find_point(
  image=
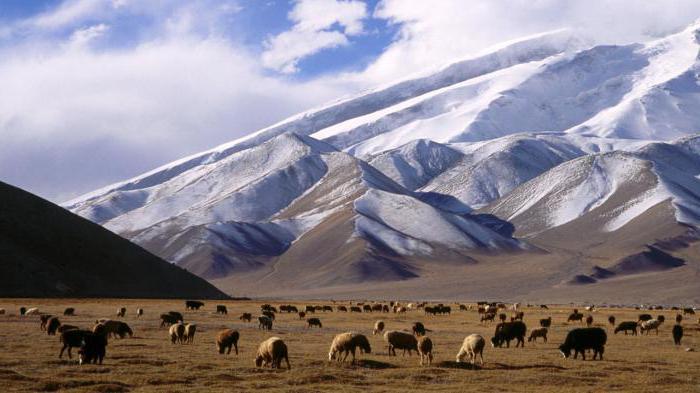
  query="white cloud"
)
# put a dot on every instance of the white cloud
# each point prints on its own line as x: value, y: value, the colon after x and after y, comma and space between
x: 432, y: 33
x: 82, y: 37
x: 314, y: 30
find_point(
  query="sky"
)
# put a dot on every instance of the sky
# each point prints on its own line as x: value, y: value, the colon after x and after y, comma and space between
x: 97, y: 91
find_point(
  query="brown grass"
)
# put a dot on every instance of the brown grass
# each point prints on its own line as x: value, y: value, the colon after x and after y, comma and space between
x: 149, y: 363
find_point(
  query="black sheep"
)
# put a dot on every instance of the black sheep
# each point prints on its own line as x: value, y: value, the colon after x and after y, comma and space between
x: 625, y: 326
x: 418, y: 329
x: 193, y: 304
x: 677, y: 334
x: 582, y: 339
x: 507, y: 331
x: 93, y: 349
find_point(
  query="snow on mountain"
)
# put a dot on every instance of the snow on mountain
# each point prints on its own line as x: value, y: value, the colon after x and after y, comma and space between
x: 542, y: 137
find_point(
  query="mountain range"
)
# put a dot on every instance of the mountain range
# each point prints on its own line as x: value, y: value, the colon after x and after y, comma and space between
x: 543, y: 169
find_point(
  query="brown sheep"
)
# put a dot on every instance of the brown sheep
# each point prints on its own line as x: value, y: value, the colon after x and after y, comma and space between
x: 535, y: 333
x: 488, y: 317
x: 43, y: 320
x: 378, y: 327
x: 271, y: 352
x: 575, y: 316
x: 246, y: 316
x: 425, y: 350
x: 348, y: 343
x: 418, y: 329
x: 226, y: 339
x: 313, y: 322
x: 177, y: 333
x: 302, y: 314
x: 52, y: 325
x: 115, y: 328
x: 401, y: 340
x: 190, y: 330
x: 589, y: 320
x: 611, y: 320
x: 70, y: 311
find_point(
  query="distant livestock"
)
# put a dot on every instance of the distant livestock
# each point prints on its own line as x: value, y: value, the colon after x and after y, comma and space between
x: 52, y: 326
x: 168, y: 319
x: 139, y: 312
x: 311, y: 322
x: 546, y: 322
x: 269, y: 314
x: 226, y: 339
x: 418, y: 329
x: 575, y: 316
x: 589, y: 320
x: 627, y: 326
x: 43, y: 320
x: 582, y: 339
x: 31, y: 311
x: 652, y: 324
x: 121, y: 312
x: 193, y: 304
x: 611, y: 320
x: 644, y: 317
x: 425, y: 350
x: 505, y: 332
x: 302, y: 314
x: 177, y: 333
x: 347, y: 343
x: 536, y: 333
x: 378, y: 327
x: 264, y: 322
x: 221, y: 309
x: 246, y: 316
x: 355, y: 309
x: 271, y: 352
x: 342, y: 309
x: 400, y: 340
x: 113, y: 328
x: 177, y: 315
x: 688, y: 310
x: 677, y: 333
x: 70, y: 311
x: 472, y: 346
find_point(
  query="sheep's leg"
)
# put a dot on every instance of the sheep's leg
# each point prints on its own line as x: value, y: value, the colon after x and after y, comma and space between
x: 60, y: 355
x: 69, y: 354
x: 481, y: 356
x: 353, y: 356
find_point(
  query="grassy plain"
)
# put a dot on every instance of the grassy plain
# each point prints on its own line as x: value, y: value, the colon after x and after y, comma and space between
x: 148, y: 362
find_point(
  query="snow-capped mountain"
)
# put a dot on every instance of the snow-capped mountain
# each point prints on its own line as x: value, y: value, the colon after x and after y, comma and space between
x: 510, y: 155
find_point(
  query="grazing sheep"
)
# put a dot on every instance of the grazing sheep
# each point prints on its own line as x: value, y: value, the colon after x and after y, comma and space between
x: 221, y: 309
x: 679, y: 318
x: 246, y: 316
x: 342, y: 309
x: 43, y: 320
x: 472, y: 345
x: 367, y: 308
x: 226, y: 339
x: 418, y: 329
x: 93, y: 349
x: 611, y: 320
x: 52, y: 325
x: 661, y: 318
x: 72, y: 339
x: 327, y: 308
x: 627, y: 326
x: 546, y: 322
x: 177, y: 333
x: 121, y: 312
x: 190, y: 330
x: 65, y: 327
x: 271, y: 352
x: 348, y: 343
x: 590, y: 308
x: 269, y: 314
x: 646, y: 326
x: 193, y: 304
x: 677, y: 334
x: 168, y: 319
x: 264, y: 322
x: 355, y: 309
x: 70, y: 311
x: 310, y: 309
x: 575, y: 316
x: 507, y: 331
x: 400, y: 340
x: 313, y: 322
x: 544, y: 306
x: 518, y: 316
x: 31, y: 311
x: 488, y: 317
x: 688, y: 310
x: 502, y: 317
x: 644, y: 317
x: 302, y: 314
x: 116, y: 328
x: 535, y: 333
x: 589, y: 320
x: 139, y: 312
x: 177, y: 315
x: 582, y: 339
x: 378, y: 327
x: 425, y: 350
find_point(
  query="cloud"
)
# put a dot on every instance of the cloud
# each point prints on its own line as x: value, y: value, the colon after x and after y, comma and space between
x: 318, y: 25
x: 433, y: 33
x: 75, y: 115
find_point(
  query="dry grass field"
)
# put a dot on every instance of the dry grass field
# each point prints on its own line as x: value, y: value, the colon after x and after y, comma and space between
x: 148, y: 362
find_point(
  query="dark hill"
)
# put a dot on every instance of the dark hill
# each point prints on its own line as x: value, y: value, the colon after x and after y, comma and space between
x: 47, y: 251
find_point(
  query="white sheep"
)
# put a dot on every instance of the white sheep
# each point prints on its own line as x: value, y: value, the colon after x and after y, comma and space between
x: 347, y: 343
x: 190, y: 330
x: 378, y: 327
x: 646, y: 326
x: 473, y: 345
x: 177, y: 333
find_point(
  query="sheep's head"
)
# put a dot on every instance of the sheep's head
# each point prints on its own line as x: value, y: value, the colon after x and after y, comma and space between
x: 258, y: 361
x: 565, y: 351
x: 495, y: 341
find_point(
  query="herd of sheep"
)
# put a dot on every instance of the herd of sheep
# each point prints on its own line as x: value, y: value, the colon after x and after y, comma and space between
x: 92, y: 343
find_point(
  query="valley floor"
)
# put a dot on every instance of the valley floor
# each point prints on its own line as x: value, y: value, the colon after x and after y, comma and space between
x: 148, y: 362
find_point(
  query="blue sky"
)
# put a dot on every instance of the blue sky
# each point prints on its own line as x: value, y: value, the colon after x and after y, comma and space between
x: 97, y: 91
